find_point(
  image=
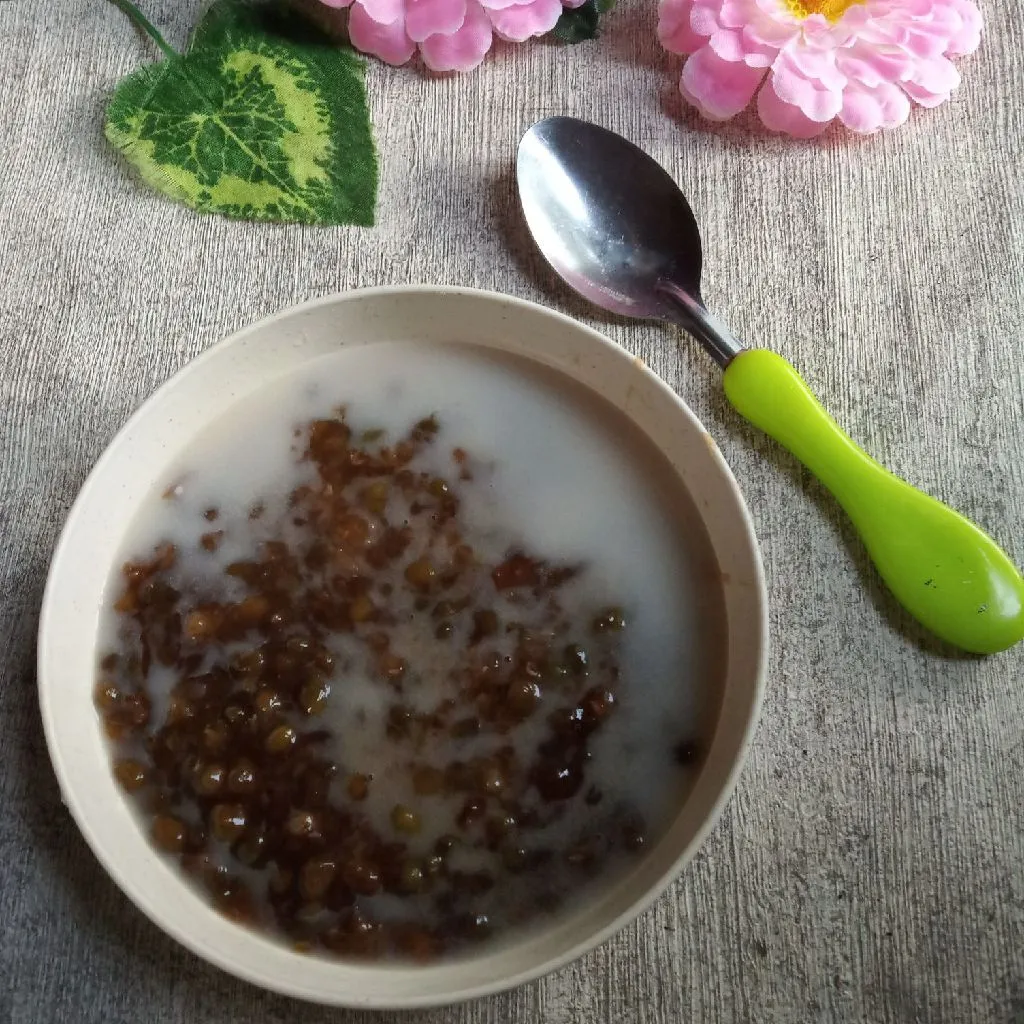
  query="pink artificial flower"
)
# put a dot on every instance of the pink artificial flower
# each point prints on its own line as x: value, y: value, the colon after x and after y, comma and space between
x: 451, y: 35
x: 810, y: 62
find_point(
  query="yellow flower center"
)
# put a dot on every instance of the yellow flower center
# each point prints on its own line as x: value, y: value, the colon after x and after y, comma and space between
x: 832, y: 9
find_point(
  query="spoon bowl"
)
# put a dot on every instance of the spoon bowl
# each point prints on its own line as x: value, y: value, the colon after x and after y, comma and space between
x: 613, y: 250
x: 617, y: 230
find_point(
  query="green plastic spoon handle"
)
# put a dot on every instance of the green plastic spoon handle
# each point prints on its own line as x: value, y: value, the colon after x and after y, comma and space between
x: 942, y: 568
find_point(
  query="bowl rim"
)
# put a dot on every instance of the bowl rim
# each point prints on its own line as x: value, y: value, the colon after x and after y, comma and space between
x: 756, y: 631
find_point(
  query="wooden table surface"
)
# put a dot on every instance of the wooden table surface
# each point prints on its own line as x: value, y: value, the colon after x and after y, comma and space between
x: 871, y: 864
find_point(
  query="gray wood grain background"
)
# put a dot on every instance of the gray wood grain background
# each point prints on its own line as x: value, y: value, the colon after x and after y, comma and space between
x: 870, y: 866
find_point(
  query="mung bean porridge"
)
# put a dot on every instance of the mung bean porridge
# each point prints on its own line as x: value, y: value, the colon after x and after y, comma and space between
x: 412, y: 650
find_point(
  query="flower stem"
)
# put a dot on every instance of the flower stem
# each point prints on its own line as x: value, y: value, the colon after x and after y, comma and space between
x: 142, y: 22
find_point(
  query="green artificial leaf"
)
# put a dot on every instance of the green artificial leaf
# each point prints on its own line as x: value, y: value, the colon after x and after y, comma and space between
x: 578, y: 24
x: 262, y: 118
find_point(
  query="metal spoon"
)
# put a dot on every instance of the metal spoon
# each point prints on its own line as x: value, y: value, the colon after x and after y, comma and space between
x: 617, y: 228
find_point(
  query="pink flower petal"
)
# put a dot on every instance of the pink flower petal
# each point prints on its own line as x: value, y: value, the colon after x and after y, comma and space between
x: 735, y: 14
x: 728, y: 45
x: 924, y: 43
x: 771, y: 36
x: 719, y: 89
x: 867, y: 109
x: 674, y: 30
x: 870, y: 67
x: 937, y: 76
x: 463, y: 49
x: 704, y: 20
x: 968, y: 37
x: 820, y: 101
x: 498, y: 5
x: 922, y: 97
x: 387, y: 41
x: 427, y: 17
x: 779, y: 116
x: 812, y: 65
x: 524, y: 20
x: 384, y: 11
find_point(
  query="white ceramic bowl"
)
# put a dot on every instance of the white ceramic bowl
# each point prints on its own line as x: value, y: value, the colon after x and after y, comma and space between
x: 185, y: 405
